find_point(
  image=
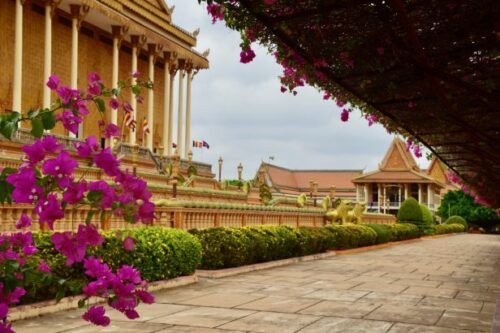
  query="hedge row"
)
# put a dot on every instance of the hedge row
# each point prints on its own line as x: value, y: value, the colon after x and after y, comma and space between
x: 448, y: 228
x: 159, y: 254
x: 230, y: 247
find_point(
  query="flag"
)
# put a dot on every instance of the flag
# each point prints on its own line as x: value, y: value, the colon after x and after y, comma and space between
x: 206, y: 145
x: 145, y: 126
x: 197, y: 144
x: 129, y: 121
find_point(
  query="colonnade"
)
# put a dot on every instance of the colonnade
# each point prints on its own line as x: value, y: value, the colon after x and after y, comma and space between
x: 172, y: 65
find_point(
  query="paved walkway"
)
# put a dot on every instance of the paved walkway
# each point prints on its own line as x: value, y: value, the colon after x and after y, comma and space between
x: 439, y: 285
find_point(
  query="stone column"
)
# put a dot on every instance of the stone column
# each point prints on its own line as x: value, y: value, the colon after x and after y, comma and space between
x: 419, y: 193
x: 357, y: 193
x: 152, y: 57
x: 116, y: 67
x: 137, y: 43
x: 406, y: 191
x: 385, y: 200
x: 75, y: 26
x: 366, y: 194
x: 399, y: 196
x: 47, y: 64
x: 379, y: 197
x: 187, y: 141
x: 429, y: 195
x: 166, y: 105
x: 18, y: 59
x: 181, y: 108
x: 173, y: 72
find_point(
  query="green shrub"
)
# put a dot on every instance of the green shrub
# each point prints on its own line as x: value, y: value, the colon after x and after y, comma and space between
x: 159, y: 253
x: 427, y: 217
x: 349, y: 236
x: 448, y: 228
x: 457, y: 220
x: 384, y: 232
x: 410, y: 212
x: 315, y: 240
x: 404, y: 231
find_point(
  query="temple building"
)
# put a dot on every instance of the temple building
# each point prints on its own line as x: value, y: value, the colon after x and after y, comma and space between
x: 114, y: 38
x: 383, y: 190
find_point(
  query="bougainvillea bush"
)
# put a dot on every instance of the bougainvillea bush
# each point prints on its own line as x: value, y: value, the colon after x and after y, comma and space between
x: 46, y: 180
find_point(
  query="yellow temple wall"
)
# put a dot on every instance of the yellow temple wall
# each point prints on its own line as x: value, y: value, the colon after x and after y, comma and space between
x: 93, y: 55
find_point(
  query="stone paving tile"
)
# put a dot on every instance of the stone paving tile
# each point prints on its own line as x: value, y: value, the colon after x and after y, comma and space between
x: 221, y: 300
x: 52, y: 323
x: 338, y: 295
x: 446, y: 278
x: 391, y: 298
x: 191, y: 329
x: 203, y: 317
x: 418, y: 283
x: 340, y: 285
x: 279, y: 304
x: 451, y: 304
x: 382, y: 287
x: 477, y: 296
x: 340, y: 309
x: 406, y: 328
x: 120, y: 327
x: 344, y: 325
x: 148, y: 312
x: 289, y: 291
x: 270, y: 322
x: 406, y: 314
x: 466, y: 320
x: 178, y: 295
x: 464, y: 286
x: 489, y: 307
x: 427, y: 291
x: 372, y: 279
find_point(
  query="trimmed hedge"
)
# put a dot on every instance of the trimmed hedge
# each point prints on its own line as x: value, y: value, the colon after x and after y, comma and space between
x: 457, y: 220
x: 447, y: 228
x: 410, y: 212
x: 159, y: 254
x: 229, y: 247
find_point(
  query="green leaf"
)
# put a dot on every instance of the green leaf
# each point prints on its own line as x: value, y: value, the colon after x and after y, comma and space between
x: 136, y: 89
x: 8, y: 127
x: 81, y: 303
x: 90, y: 216
x: 33, y: 113
x: 37, y: 127
x: 94, y: 196
x: 60, y: 295
x: 48, y: 120
x: 101, y: 106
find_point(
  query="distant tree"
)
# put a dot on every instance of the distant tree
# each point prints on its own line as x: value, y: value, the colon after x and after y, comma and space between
x: 462, y: 204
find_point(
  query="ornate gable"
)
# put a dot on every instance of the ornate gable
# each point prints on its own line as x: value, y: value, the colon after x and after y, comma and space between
x: 437, y: 171
x: 398, y: 158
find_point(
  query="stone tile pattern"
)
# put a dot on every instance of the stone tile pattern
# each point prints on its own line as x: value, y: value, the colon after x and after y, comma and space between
x: 439, y: 285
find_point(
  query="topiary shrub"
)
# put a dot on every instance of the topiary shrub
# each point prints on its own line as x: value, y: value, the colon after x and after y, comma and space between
x: 457, y: 220
x: 410, y: 212
x: 350, y: 236
x: 384, y: 232
x: 404, y: 231
x: 427, y: 217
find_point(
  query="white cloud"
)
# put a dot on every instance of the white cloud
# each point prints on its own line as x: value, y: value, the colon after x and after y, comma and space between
x: 240, y: 111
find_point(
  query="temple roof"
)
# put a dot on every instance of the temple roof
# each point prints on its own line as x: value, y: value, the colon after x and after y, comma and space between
x: 298, y: 180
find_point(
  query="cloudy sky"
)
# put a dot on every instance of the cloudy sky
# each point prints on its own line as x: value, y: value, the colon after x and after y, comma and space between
x: 239, y: 110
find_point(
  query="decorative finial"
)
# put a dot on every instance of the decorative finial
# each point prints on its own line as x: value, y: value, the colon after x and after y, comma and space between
x: 196, y: 32
x: 206, y: 53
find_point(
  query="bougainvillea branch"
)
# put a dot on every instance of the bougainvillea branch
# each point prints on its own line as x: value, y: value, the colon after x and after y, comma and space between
x: 46, y: 181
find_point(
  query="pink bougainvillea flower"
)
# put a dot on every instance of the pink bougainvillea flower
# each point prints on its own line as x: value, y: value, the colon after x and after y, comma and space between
x: 247, y: 55
x: 49, y: 210
x: 34, y: 152
x: 108, y: 162
x: 283, y: 89
x: 15, y: 295
x: 114, y: 103
x: 95, y: 83
x: 127, y: 107
x: 87, y: 148
x: 371, y: 119
x: 50, y: 145
x: 94, y: 267
x: 108, y: 195
x: 344, y: 116
x: 43, y: 267
x: 129, y: 244
x: 69, y: 121
x: 4, y: 310
x: 111, y: 131
x: 339, y: 103
x: 61, y: 168
x: 136, y: 74
x: 129, y: 273
x: 411, y: 105
x: 69, y: 246
x: 88, y: 235
x: 145, y: 297
x: 139, y: 99
x: 96, y: 315
x: 146, y: 212
x: 417, y: 151
x: 216, y: 11
x: 75, y: 192
x: 25, y: 185
x: 23, y: 222
x: 67, y: 94
x: 53, y: 82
